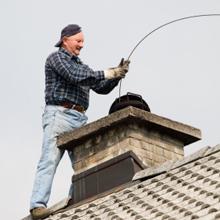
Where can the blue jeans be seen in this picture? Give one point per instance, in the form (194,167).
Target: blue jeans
(56,120)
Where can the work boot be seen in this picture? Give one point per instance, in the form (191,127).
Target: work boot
(70,202)
(39,213)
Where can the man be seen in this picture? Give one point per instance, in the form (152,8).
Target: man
(68,82)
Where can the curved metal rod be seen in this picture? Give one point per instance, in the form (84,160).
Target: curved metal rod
(161,26)
(168,23)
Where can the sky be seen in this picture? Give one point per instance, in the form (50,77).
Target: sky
(176,70)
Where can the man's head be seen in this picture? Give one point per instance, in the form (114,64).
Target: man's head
(71,39)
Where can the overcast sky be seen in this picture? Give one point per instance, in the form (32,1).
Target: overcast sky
(176,70)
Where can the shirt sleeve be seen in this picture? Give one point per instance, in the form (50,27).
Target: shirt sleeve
(105,86)
(76,73)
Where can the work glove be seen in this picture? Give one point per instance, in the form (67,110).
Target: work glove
(119,71)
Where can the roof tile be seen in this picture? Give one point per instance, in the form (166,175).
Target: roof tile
(185,190)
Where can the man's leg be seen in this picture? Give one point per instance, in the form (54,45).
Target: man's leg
(56,120)
(71,185)
(82,119)
(50,158)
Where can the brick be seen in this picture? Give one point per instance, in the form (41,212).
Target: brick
(168,154)
(158,150)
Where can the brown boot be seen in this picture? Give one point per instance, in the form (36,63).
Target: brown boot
(39,213)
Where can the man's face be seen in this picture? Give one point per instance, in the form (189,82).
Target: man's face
(74,43)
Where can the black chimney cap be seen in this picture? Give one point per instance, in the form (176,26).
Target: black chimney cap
(130,99)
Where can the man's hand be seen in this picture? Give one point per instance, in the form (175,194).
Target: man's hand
(124,63)
(119,71)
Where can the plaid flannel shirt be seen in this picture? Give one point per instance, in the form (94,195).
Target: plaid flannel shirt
(69,80)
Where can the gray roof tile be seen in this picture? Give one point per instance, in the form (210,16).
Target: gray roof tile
(184,190)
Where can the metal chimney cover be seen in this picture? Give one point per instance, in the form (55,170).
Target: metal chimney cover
(130,99)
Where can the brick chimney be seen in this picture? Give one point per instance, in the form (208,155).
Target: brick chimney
(109,151)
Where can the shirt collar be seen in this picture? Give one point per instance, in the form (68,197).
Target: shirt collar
(63,50)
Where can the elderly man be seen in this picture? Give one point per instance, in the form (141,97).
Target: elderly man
(68,82)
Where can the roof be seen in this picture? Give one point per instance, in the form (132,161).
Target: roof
(185,189)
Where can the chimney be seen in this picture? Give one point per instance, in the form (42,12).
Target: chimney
(109,151)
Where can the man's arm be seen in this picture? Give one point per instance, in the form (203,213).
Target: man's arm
(74,72)
(113,76)
(105,86)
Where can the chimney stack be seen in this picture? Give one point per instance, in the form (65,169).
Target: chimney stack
(109,151)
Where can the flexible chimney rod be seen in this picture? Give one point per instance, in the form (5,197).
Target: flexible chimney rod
(159,27)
